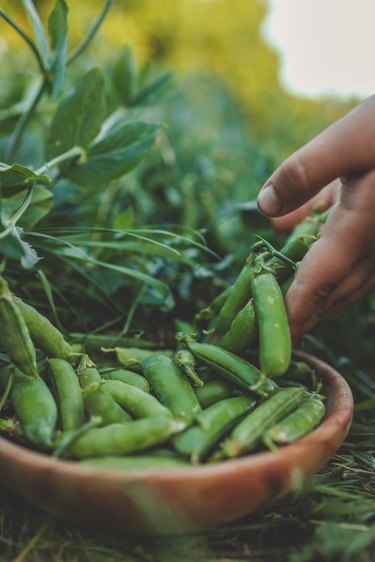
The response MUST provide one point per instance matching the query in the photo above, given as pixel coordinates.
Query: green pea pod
(242, 330)
(125, 376)
(44, 335)
(34, 406)
(138, 462)
(211, 311)
(297, 424)
(99, 403)
(69, 394)
(121, 439)
(237, 370)
(237, 297)
(186, 361)
(94, 342)
(301, 373)
(15, 335)
(275, 344)
(210, 426)
(309, 227)
(213, 391)
(171, 387)
(88, 376)
(137, 403)
(248, 433)
(295, 250)
(132, 357)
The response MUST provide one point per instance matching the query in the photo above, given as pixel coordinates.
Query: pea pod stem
(186, 361)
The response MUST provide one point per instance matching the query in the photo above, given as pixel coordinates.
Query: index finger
(346, 147)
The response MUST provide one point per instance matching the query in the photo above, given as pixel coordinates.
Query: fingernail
(268, 201)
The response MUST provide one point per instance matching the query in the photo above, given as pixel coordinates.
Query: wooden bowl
(177, 500)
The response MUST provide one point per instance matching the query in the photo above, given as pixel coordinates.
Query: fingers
(340, 266)
(325, 198)
(345, 148)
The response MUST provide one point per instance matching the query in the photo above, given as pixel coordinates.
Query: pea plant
(71, 136)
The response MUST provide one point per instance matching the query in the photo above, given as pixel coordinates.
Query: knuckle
(295, 176)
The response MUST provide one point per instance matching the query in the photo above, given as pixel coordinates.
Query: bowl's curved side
(179, 499)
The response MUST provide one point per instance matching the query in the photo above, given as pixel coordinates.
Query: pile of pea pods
(229, 390)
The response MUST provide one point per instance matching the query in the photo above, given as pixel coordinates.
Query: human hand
(340, 267)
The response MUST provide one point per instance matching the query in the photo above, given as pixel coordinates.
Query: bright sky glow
(327, 46)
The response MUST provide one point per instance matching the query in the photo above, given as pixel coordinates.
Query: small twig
(26, 37)
(91, 34)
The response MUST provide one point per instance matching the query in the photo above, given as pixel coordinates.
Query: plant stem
(91, 34)
(74, 152)
(14, 142)
(26, 37)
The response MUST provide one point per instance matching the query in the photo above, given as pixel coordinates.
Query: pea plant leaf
(39, 207)
(13, 247)
(116, 154)
(58, 28)
(124, 76)
(16, 177)
(132, 86)
(149, 92)
(79, 116)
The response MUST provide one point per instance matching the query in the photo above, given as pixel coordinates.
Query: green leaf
(163, 291)
(79, 116)
(124, 219)
(124, 76)
(16, 178)
(115, 155)
(38, 208)
(37, 26)
(58, 29)
(11, 246)
(30, 257)
(146, 94)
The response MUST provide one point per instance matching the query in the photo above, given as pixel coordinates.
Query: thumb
(346, 147)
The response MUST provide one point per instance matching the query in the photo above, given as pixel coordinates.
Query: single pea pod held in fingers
(275, 344)
(15, 335)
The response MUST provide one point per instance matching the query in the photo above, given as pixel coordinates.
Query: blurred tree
(221, 37)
